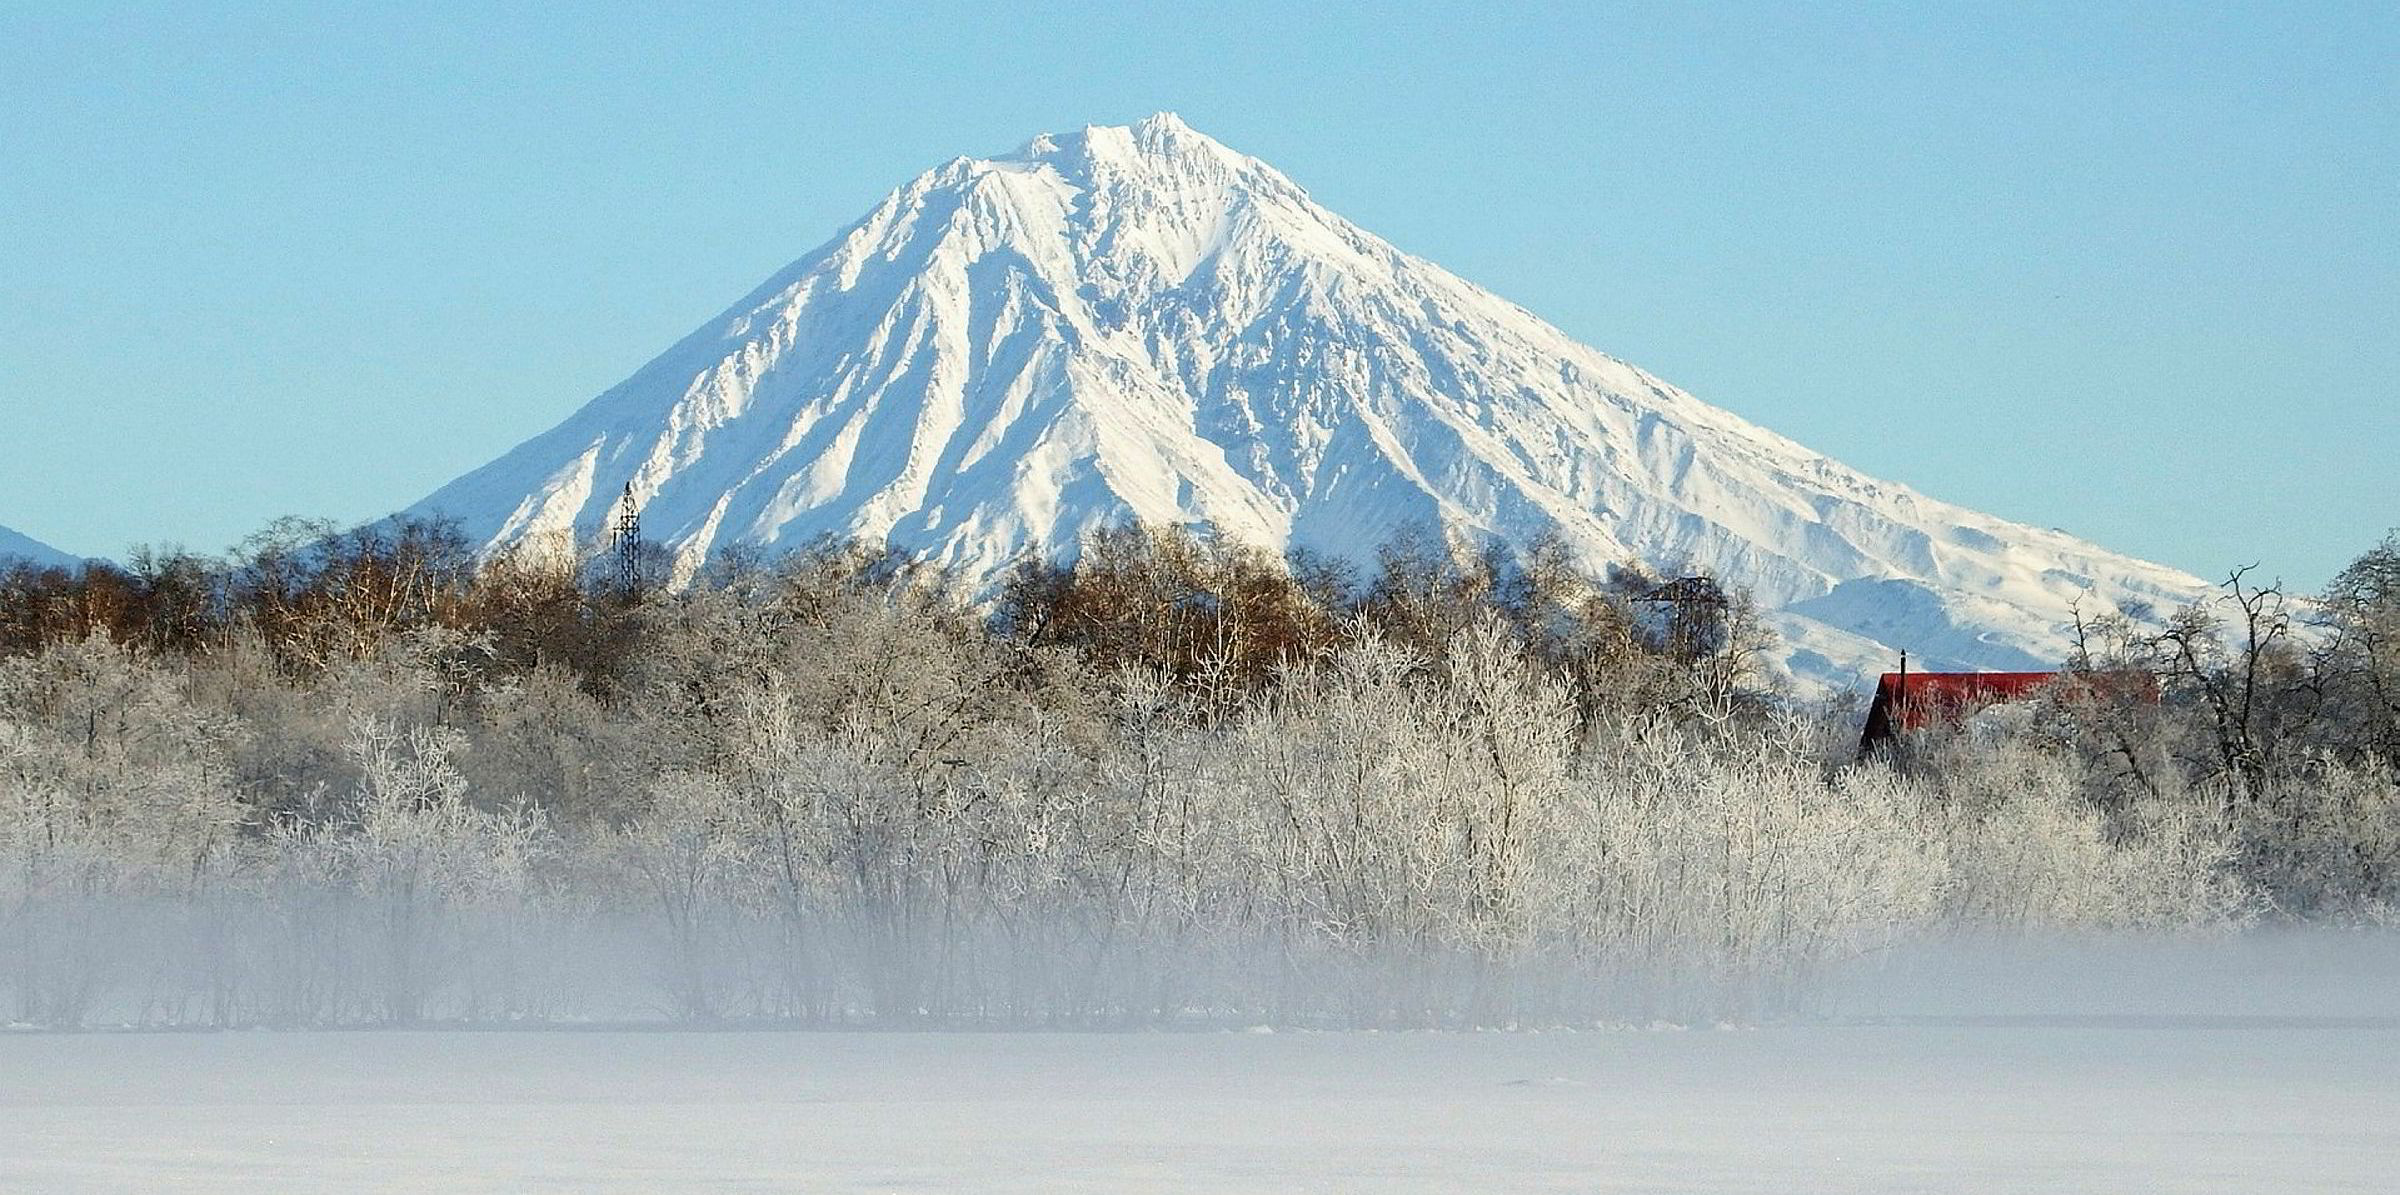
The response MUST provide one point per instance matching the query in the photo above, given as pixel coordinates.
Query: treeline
(1223, 619)
(363, 776)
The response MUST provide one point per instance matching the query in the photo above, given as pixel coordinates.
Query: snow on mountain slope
(1139, 321)
(17, 546)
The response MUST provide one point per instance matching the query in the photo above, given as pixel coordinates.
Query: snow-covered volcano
(17, 546)
(1139, 321)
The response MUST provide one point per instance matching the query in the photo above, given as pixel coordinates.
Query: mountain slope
(17, 546)
(1139, 321)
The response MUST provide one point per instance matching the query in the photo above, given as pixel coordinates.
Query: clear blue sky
(2129, 271)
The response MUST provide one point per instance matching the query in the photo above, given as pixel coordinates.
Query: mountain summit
(1138, 321)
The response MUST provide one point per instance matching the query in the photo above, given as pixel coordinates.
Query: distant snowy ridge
(1140, 322)
(17, 546)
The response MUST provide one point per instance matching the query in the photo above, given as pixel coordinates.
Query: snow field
(2165, 1106)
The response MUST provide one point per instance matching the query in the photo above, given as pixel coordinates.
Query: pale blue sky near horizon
(2131, 271)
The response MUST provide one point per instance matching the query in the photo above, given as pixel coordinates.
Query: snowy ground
(2124, 1104)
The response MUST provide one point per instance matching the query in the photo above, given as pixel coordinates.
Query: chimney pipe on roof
(1900, 692)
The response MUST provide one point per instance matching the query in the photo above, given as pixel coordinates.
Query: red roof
(1914, 700)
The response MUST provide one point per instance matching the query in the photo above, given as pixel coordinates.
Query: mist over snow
(1137, 321)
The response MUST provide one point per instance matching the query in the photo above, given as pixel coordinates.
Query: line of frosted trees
(343, 780)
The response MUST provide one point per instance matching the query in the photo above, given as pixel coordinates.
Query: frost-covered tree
(1179, 782)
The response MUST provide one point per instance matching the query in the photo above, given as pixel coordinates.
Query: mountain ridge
(16, 545)
(1138, 321)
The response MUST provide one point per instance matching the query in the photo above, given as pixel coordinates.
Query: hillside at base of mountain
(16, 546)
(1139, 322)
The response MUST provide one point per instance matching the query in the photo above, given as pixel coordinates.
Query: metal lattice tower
(626, 545)
(1695, 613)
